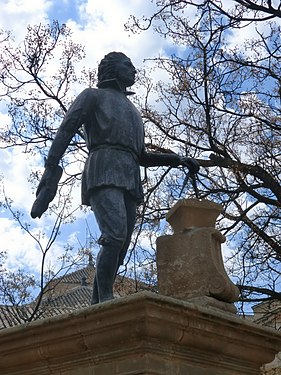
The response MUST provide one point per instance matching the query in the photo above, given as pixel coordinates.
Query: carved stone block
(189, 262)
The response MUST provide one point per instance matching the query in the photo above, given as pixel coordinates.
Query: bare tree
(249, 10)
(235, 10)
(37, 82)
(221, 104)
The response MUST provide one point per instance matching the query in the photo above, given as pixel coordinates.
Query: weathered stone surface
(189, 213)
(189, 262)
(141, 334)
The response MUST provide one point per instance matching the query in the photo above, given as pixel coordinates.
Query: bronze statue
(111, 183)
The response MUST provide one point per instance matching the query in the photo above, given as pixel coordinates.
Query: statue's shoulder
(90, 91)
(89, 95)
(101, 95)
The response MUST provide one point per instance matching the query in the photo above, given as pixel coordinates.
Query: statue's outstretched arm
(153, 159)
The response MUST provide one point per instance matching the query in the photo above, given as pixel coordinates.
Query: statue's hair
(106, 69)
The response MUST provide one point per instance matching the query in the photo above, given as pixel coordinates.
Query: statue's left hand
(192, 164)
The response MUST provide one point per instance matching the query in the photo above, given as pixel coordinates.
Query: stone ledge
(134, 335)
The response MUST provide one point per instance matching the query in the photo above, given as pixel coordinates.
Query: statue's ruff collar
(113, 83)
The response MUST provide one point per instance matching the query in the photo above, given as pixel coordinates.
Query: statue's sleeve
(150, 159)
(73, 120)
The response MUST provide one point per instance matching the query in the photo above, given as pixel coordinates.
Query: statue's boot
(107, 263)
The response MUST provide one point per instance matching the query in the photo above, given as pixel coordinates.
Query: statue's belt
(116, 147)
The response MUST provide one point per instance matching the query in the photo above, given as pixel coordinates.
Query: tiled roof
(67, 293)
(76, 277)
(75, 298)
(14, 315)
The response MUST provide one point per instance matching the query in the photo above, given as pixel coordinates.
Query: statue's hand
(46, 190)
(191, 164)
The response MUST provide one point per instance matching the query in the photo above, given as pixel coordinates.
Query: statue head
(116, 66)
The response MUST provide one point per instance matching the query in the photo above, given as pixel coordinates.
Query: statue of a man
(111, 183)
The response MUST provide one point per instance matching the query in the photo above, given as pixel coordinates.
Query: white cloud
(16, 167)
(20, 248)
(16, 15)
(103, 30)
(99, 25)
(4, 121)
(24, 253)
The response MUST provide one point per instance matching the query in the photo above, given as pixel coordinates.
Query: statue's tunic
(114, 135)
(115, 139)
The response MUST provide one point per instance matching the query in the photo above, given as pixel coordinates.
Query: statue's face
(125, 72)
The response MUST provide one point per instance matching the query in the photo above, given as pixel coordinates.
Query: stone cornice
(135, 327)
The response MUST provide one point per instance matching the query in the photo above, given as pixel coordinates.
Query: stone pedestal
(189, 262)
(144, 334)
(152, 334)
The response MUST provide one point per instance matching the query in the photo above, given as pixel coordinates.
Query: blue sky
(99, 26)
(64, 11)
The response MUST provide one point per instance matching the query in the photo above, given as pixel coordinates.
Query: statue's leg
(107, 262)
(131, 208)
(109, 208)
(95, 296)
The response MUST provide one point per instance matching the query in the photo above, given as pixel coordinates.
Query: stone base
(189, 265)
(213, 303)
(144, 334)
